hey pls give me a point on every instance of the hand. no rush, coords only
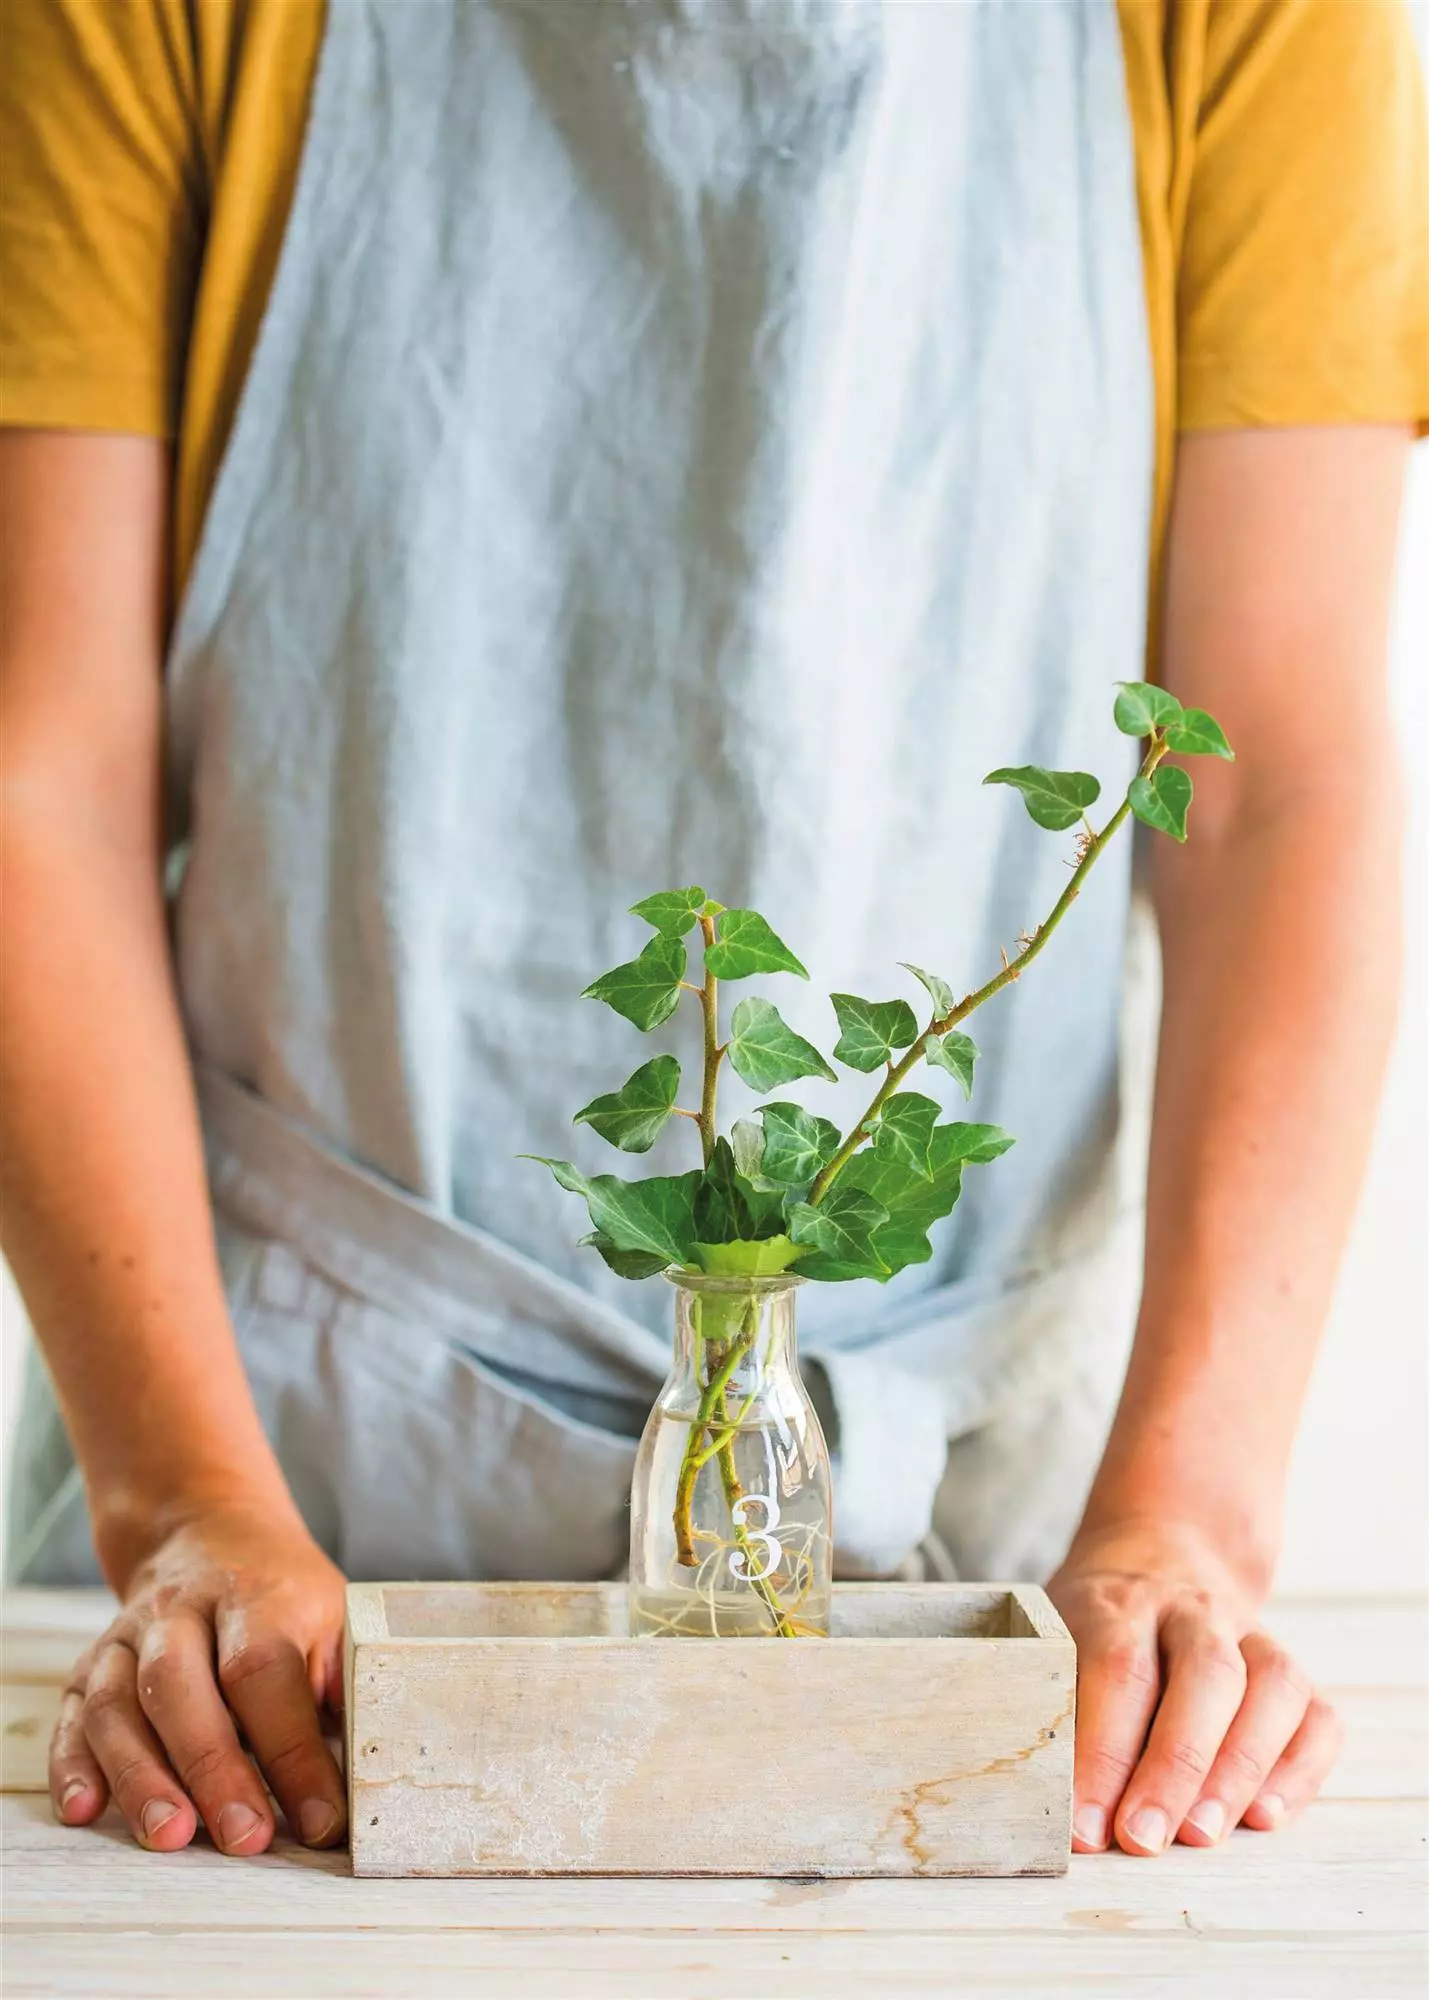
(234, 1622)
(1190, 1719)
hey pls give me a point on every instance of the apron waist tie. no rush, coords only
(392, 1248)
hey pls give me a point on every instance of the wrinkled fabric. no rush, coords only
(687, 443)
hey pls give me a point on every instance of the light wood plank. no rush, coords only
(1334, 1906)
(621, 1966)
(1348, 1868)
(366, 1613)
(598, 1611)
(1386, 1753)
(896, 1755)
(1355, 1642)
(1368, 1642)
(27, 1717)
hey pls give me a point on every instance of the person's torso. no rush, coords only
(685, 443)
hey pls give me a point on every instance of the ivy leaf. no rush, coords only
(721, 1213)
(729, 1208)
(626, 1263)
(1197, 734)
(765, 1051)
(842, 1229)
(870, 1030)
(796, 1143)
(656, 1215)
(746, 945)
(972, 1145)
(904, 1131)
(1055, 799)
(913, 1203)
(1142, 708)
(633, 1116)
(747, 1144)
(1163, 800)
(939, 989)
(673, 911)
(954, 1052)
(749, 1260)
(647, 990)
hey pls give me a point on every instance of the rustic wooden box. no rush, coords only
(514, 1729)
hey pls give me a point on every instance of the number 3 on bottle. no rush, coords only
(739, 1562)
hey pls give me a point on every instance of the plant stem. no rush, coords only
(721, 1367)
(940, 1024)
(733, 1494)
(709, 1006)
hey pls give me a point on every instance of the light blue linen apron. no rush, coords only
(689, 440)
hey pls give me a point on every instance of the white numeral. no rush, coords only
(739, 1560)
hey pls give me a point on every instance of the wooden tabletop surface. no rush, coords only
(1334, 1906)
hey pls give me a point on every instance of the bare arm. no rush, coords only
(1279, 922)
(106, 1216)
(105, 1210)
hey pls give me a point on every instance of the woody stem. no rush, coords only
(942, 1023)
(709, 1007)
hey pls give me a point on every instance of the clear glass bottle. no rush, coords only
(731, 1523)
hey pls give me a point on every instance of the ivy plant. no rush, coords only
(785, 1189)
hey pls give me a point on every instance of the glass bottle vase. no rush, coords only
(731, 1523)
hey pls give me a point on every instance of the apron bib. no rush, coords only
(691, 440)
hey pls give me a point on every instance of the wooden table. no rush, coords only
(1334, 1906)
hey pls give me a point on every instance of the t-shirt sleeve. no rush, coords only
(1303, 293)
(101, 212)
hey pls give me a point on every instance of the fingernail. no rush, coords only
(1208, 1817)
(1148, 1828)
(1273, 1806)
(237, 1824)
(156, 1816)
(1089, 1825)
(73, 1792)
(316, 1820)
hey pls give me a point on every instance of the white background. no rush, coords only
(1358, 1510)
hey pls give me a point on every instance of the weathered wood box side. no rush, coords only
(514, 1729)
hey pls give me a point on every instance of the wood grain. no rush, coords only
(538, 1742)
(1333, 1906)
(1368, 1642)
(623, 1966)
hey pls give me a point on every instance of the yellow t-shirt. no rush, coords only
(148, 150)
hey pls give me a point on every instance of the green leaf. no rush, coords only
(972, 1145)
(1141, 708)
(656, 1215)
(904, 1131)
(721, 1212)
(1197, 734)
(633, 1116)
(842, 1229)
(1055, 799)
(796, 1143)
(913, 1203)
(729, 1208)
(673, 911)
(939, 989)
(1163, 799)
(870, 1030)
(746, 945)
(954, 1052)
(626, 1263)
(747, 1144)
(647, 990)
(765, 1051)
(748, 1260)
